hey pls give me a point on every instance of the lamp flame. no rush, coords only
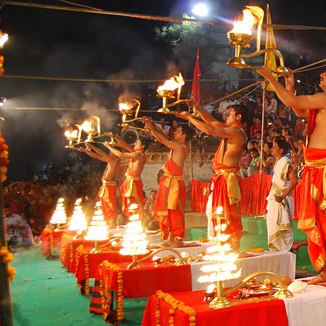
(125, 108)
(245, 25)
(171, 84)
(71, 134)
(87, 126)
(3, 39)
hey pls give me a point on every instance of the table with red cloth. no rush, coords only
(119, 281)
(191, 309)
(68, 250)
(87, 264)
(51, 238)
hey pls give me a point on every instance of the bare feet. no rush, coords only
(178, 242)
(168, 244)
(173, 242)
(318, 279)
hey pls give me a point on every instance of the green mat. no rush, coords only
(45, 294)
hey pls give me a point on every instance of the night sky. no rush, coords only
(51, 43)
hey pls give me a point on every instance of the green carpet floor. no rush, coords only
(45, 294)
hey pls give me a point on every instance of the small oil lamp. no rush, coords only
(72, 136)
(129, 108)
(92, 127)
(167, 91)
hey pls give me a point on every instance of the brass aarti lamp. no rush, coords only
(129, 108)
(72, 137)
(241, 36)
(171, 89)
(92, 128)
(224, 268)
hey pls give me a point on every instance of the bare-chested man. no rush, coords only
(109, 192)
(313, 201)
(225, 186)
(171, 195)
(132, 187)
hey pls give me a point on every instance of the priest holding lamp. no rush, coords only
(171, 195)
(225, 190)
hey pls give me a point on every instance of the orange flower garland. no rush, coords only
(175, 305)
(79, 251)
(87, 289)
(4, 160)
(7, 257)
(47, 236)
(105, 293)
(64, 240)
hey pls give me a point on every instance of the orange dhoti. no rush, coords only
(170, 201)
(226, 193)
(132, 192)
(108, 197)
(312, 217)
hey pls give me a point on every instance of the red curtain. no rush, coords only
(254, 191)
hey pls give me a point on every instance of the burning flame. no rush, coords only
(87, 126)
(3, 39)
(71, 134)
(171, 84)
(245, 25)
(125, 108)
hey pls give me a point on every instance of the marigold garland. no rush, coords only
(45, 235)
(64, 240)
(87, 289)
(106, 297)
(4, 160)
(175, 305)
(51, 245)
(7, 257)
(79, 251)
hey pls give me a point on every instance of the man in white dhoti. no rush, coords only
(279, 201)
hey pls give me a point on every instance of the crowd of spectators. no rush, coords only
(33, 202)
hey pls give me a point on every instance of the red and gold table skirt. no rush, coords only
(188, 308)
(135, 283)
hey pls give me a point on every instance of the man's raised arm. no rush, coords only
(303, 102)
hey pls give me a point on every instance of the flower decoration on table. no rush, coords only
(175, 305)
(4, 160)
(106, 297)
(7, 257)
(98, 229)
(134, 239)
(224, 267)
(66, 240)
(78, 220)
(59, 216)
